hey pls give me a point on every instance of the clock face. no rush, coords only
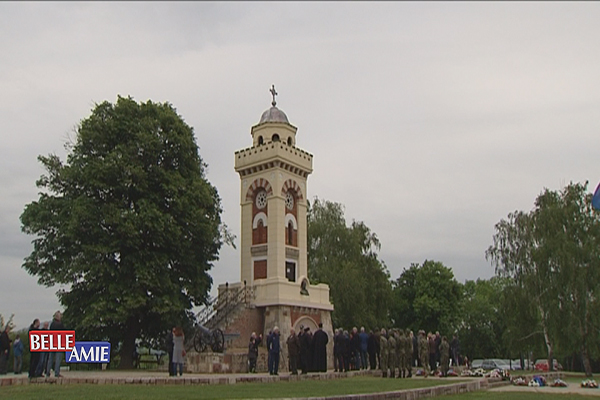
(261, 200)
(289, 201)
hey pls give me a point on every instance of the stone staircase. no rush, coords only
(224, 310)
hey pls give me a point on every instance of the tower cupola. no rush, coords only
(273, 126)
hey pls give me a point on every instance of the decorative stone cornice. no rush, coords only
(273, 155)
(259, 250)
(292, 253)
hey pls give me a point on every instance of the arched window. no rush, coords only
(275, 137)
(289, 141)
(259, 228)
(260, 140)
(290, 232)
(261, 232)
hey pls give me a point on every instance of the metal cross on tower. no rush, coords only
(274, 93)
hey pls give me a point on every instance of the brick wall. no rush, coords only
(247, 321)
(298, 312)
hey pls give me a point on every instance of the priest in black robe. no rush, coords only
(320, 340)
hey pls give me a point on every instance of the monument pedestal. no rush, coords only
(278, 302)
(285, 317)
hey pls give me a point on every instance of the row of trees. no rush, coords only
(545, 297)
(425, 296)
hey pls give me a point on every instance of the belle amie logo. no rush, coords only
(75, 352)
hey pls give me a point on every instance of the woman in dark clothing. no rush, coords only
(253, 351)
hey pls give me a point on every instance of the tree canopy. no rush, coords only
(426, 296)
(129, 223)
(346, 258)
(553, 255)
(482, 318)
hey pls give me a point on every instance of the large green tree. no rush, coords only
(427, 296)
(482, 323)
(129, 224)
(523, 332)
(514, 254)
(345, 257)
(553, 254)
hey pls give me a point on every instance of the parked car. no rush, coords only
(542, 365)
(516, 364)
(476, 363)
(494, 363)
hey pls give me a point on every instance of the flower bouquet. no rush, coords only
(589, 384)
(559, 383)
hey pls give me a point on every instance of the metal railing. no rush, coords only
(216, 313)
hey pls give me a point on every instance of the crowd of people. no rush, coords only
(391, 351)
(395, 352)
(307, 351)
(40, 363)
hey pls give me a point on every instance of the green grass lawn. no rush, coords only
(309, 388)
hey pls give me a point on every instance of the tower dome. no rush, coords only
(274, 114)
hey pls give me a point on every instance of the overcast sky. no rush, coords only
(430, 121)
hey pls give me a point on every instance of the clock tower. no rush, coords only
(273, 200)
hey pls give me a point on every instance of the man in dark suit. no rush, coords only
(35, 356)
(274, 348)
(170, 345)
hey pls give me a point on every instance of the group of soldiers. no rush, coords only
(396, 349)
(396, 352)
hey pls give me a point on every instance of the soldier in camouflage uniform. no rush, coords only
(383, 353)
(408, 353)
(444, 356)
(397, 337)
(424, 352)
(392, 354)
(401, 351)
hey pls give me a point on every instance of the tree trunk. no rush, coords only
(128, 348)
(586, 361)
(585, 357)
(547, 340)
